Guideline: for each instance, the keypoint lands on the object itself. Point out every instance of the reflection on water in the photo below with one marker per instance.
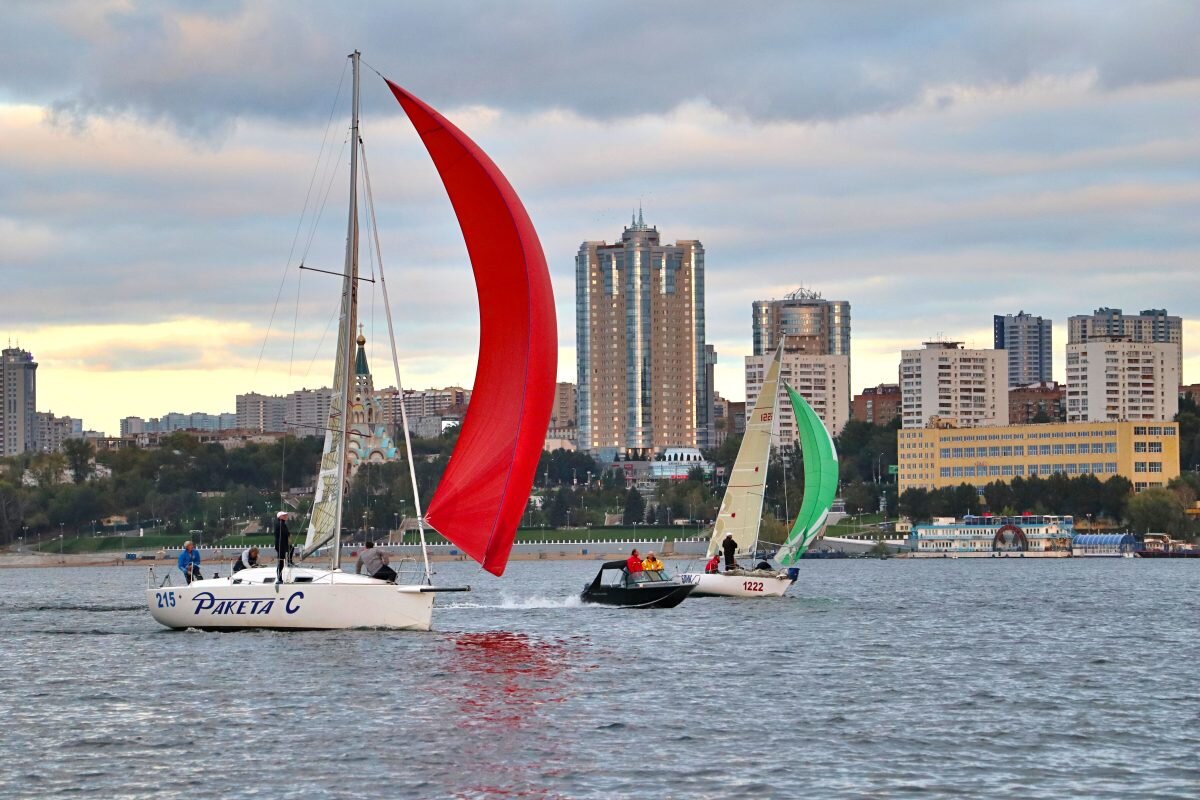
(509, 690)
(511, 676)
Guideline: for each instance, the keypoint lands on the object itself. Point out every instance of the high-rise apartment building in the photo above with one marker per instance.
(52, 431)
(811, 323)
(1028, 341)
(562, 414)
(822, 380)
(451, 401)
(1112, 378)
(175, 421)
(260, 412)
(1151, 325)
(306, 411)
(18, 401)
(944, 384)
(641, 360)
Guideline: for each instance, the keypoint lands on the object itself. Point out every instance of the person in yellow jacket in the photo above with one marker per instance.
(651, 563)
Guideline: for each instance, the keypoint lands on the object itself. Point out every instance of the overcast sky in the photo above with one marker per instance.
(932, 163)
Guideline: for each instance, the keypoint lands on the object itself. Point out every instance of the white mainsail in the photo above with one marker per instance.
(741, 507)
(325, 523)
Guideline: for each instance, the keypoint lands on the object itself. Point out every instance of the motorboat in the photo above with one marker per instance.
(614, 585)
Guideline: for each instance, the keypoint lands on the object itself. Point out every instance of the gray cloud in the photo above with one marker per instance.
(202, 65)
(931, 163)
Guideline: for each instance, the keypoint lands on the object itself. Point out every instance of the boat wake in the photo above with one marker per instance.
(509, 603)
(71, 607)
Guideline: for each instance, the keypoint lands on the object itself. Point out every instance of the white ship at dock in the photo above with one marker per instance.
(1025, 536)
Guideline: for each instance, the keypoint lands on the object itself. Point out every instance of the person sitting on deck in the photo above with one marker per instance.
(376, 564)
(713, 566)
(248, 558)
(651, 563)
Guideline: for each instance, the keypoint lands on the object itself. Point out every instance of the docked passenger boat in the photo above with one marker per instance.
(616, 586)
(485, 487)
(988, 536)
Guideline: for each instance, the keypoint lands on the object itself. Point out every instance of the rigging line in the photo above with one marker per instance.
(312, 233)
(291, 365)
(324, 333)
(300, 222)
(320, 156)
(387, 308)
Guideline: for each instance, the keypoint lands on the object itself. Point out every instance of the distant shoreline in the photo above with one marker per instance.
(43, 560)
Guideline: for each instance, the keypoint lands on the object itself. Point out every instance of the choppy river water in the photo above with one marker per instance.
(872, 679)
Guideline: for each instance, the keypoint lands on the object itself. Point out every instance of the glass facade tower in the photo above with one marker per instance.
(812, 324)
(640, 349)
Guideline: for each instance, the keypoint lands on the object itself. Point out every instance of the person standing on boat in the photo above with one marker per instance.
(248, 558)
(189, 562)
(283, 545)
(730, 548)
(375, 562)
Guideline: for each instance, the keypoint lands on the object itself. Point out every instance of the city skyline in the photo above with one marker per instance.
(932, 167)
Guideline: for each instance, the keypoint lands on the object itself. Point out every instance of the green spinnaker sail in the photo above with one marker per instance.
(820, 480)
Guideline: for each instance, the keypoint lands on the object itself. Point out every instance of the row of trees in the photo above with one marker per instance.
(205, 485)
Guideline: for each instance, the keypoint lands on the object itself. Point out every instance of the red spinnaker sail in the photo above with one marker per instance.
(485, 488)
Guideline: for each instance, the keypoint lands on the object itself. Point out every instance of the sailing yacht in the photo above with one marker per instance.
(485, 488)
(741, 507)
(740, 513)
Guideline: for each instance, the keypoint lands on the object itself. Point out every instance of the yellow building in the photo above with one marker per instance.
(1147, 453)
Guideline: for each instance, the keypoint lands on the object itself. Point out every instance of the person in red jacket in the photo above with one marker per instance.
(633, 563)
(713, 565)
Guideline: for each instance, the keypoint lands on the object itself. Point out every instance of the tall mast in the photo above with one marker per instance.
(351, 318)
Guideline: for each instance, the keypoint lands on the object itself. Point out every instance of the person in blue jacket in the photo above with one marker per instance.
(189, 562)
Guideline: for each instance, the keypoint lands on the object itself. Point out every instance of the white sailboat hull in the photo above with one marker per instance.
(747, 584)
(308, 599)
